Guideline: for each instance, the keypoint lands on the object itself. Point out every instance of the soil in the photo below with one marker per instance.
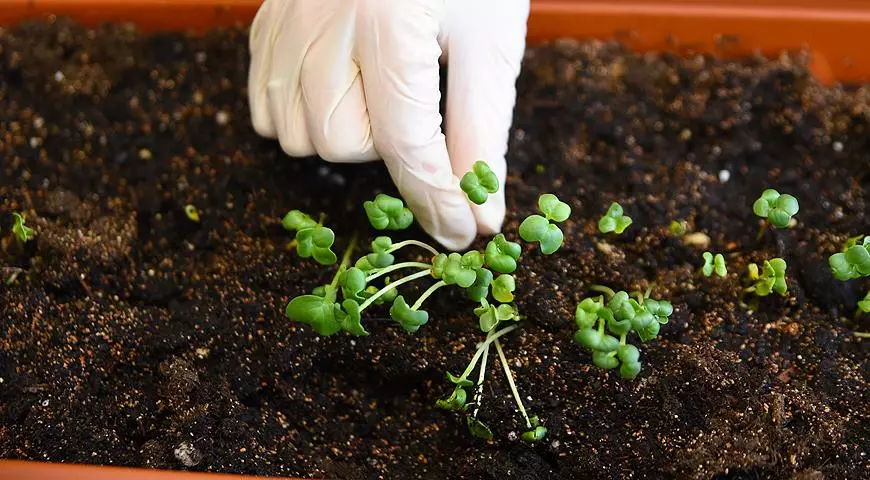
(138, 337)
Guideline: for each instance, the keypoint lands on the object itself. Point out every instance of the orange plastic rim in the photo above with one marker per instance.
(835, 32)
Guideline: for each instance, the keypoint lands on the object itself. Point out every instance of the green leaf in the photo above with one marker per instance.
(589, 338)
(864, 305)
(605, 360)
(787, 204)
(553, 209)
(552, 240)
(22, 232)
(622, 306)
(859, 257)
(628, 354)
(645, 325)
(316, 242)
(478, 428)
(388, 213)
(380, 260)
(296, 220)
(678, 228)
(410, 320)
(480, 288)
(660, 309)
(761, 208)
(487, 316)
(364, 265)
(614, 220)
(462, 382)
(503, 288)
(505, 312)
(324, 256)
(502, 255)
(350, 318)
(479, 183)
(618, 325)
(535, 435)
(719, 265)
(533, 228)
(318, 312)
(353, 284)
(462, 269)
(630, 370)
(777, 209)
(586, 313)
(455, 402)
(621, 224)
(439, 263)
(382, 244)
(842, 269)
(707, 269)
(606, 224)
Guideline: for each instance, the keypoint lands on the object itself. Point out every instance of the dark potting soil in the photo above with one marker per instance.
(138, 337)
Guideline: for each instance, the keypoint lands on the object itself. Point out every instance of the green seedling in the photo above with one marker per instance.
(503, 288)
(853, 262)
(537, 228)
(490, 315)
(614, 220)
(479, 183)
(864, 304)
(192, 213)
(388, 213)
(770, 279)
(605, 322)
(778, 209)
(714, 265)
(502, 255)
(312, 238)
(22, 232)
(678, 228)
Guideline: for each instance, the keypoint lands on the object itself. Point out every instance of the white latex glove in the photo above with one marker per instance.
(358, 80)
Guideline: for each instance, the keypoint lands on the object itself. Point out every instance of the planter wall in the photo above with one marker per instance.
(834, 32)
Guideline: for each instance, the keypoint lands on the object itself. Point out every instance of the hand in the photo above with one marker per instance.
(355, 80)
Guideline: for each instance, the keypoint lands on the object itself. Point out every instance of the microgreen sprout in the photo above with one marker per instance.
(678, 228)
(614, 220)
(778, 209)
(479, 182)
(191, 212)
(714, 264)
(22, 232)
(864, 305)
(537, 228)
(853, 262)
(604, 323)
(502, 255)
(770, 279)
(312, 238)
(388, 213)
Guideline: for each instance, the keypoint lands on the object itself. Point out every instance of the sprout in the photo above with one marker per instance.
(479, 429)
(777, 208)
(502, 255)
(714, 265)
(479, 183)
(771, 278)
(479, 290)
(864, 305)
(852, 263)
(456, 269)
(490, 315)
(614, 220)
(22, 232)
(409, 318)
(503, 288)
(678, 228)
(621, 315)
(312, 238)
(388, 213)
(537, 228)
(192, 213)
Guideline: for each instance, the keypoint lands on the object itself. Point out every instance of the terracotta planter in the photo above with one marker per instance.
(835, 33)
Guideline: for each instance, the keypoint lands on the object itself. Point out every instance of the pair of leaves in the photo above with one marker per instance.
(537, 228)
(380, 256)
(537, 432)
(490, 315)
(777, 208)
(325, 315)
(312, 239)
(626, 357)
(479, 183)
(771, 278)
(479, 290)
(22, 232)
(456, 402)
(714, 264)
(388, 213)
(853, 263)
(614, 220)
(456, 269)
(411, 320)
(501, 255)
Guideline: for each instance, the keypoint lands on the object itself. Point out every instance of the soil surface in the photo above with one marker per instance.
(138, 337)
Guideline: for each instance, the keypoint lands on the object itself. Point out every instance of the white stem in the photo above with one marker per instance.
(412, 242)
(480, 350)
(510, 379)
(479, 394)
(392, 268)
(383, 291)
(427, 293)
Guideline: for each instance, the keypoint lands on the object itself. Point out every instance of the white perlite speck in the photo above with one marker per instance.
(188, 455)
(724, 176)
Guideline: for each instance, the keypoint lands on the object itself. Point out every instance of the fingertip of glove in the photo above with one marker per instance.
(490, 215)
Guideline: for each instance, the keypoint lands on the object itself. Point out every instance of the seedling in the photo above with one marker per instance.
(388, 213)
(714, 264)
(778, 209)
(502, 255)
(479, 183)
(678, 228)
(771, 278)
(864, 305)
(22, 232)
(614, 220)
(192, 213)
(537, 228)
(853, 262)
(312, 238)
(617, 314)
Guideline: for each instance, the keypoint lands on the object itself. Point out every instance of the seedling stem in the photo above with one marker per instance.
(510, 379)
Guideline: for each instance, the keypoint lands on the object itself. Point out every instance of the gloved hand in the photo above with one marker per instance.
(358, 80)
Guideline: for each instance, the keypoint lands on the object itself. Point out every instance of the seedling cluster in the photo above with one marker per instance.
(714, 264)
(853, 262)
(614, 220)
